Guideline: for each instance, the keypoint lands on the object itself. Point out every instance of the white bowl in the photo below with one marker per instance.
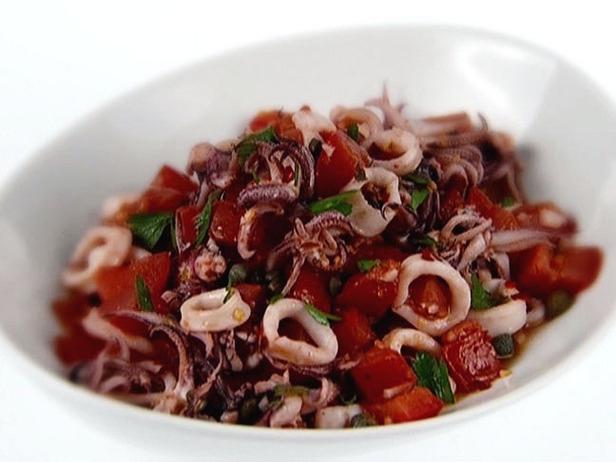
(563, 123)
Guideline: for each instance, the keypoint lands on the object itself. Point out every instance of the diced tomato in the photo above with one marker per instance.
(129, 325)
(312, 287)
(452, 200)
(501, 219)
(168, 177)
(225, 223)
(378, 370)
(267, 231)
(545, 215)
(374, 251)
(335, 171)
(186, 219)
(353, 332)
(280, 121)
(77, 346)
(155, 200)
(429, 296)
(541, 270)
(70, 310)
(498, 190)
(470, 356)
(579, 268)
(116, 285)
(416, 404)
(256, 297)
(369, 293)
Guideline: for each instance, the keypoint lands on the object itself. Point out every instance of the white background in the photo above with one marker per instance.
(59, 60)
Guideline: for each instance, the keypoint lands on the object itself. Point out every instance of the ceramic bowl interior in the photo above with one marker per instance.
(563, 124)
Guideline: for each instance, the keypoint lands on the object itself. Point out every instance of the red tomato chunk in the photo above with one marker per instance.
(368, 293)
(379, 370)
(353, 332)
(335, 171)
(311, 287)
(416, 404)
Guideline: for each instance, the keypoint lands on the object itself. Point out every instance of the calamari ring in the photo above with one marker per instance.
(209, 312)
(506, 318)
(413, 338)
(400, 142)
(416, 266)
(100, 246)
(296, 351)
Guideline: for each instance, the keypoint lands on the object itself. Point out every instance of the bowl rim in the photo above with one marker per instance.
(62, 386)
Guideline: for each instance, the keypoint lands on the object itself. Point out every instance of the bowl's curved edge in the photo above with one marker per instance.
(62, 386)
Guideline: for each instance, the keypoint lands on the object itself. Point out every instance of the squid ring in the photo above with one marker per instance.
(413, 338)
(100, 246)
(414, 267)
(402, 143)
(297, 351)
(506, 318)
(210, 312)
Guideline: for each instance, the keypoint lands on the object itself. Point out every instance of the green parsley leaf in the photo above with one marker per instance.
(228, 295)
(504, 345)
(353, 132)
(205, 217)
(339, 202)
(424, 241)
(432, 374)
(248, 145)
(320, 316)
(508, 201)
(363, 420)
(417, 178)
(366, 265)
(282, 391)
(418, 196)
(149, 227)
(144, 298)
(481, 299)
(237, 273)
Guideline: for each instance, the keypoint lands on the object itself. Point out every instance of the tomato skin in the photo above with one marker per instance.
(186, 218)
(429, 291)
(374, 251)
(416, 404)
(378, 370)
(116, 285)
(335, 171)
(353, 332)
(155, 200)
(312, 287)
(501, 219)
(280, 121)
(76, 347)
(70, 310)
(370, 295)
(255, 296)
(541, 270)
(225, 222)
(168, 177)
(470, 356)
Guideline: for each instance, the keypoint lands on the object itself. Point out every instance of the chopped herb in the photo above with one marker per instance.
(425, 241)
(366, 265)
(320, 316)
(228, 295)
(353, 132)
(149, 227)
(504, 345)
(347, 400)
(508, 201)
(205, 217)
(282, 391)
(417, 178)
(557, 303)
(335, 286)
(481, 299)
(237, 273)
(248, 145)
(315, 146)
(418, 197)
(144, 298)
(363, 420)
(432, 374)
(275, 298)
(339, 202)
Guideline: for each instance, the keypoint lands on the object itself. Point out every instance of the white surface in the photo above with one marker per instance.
(59, 63)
